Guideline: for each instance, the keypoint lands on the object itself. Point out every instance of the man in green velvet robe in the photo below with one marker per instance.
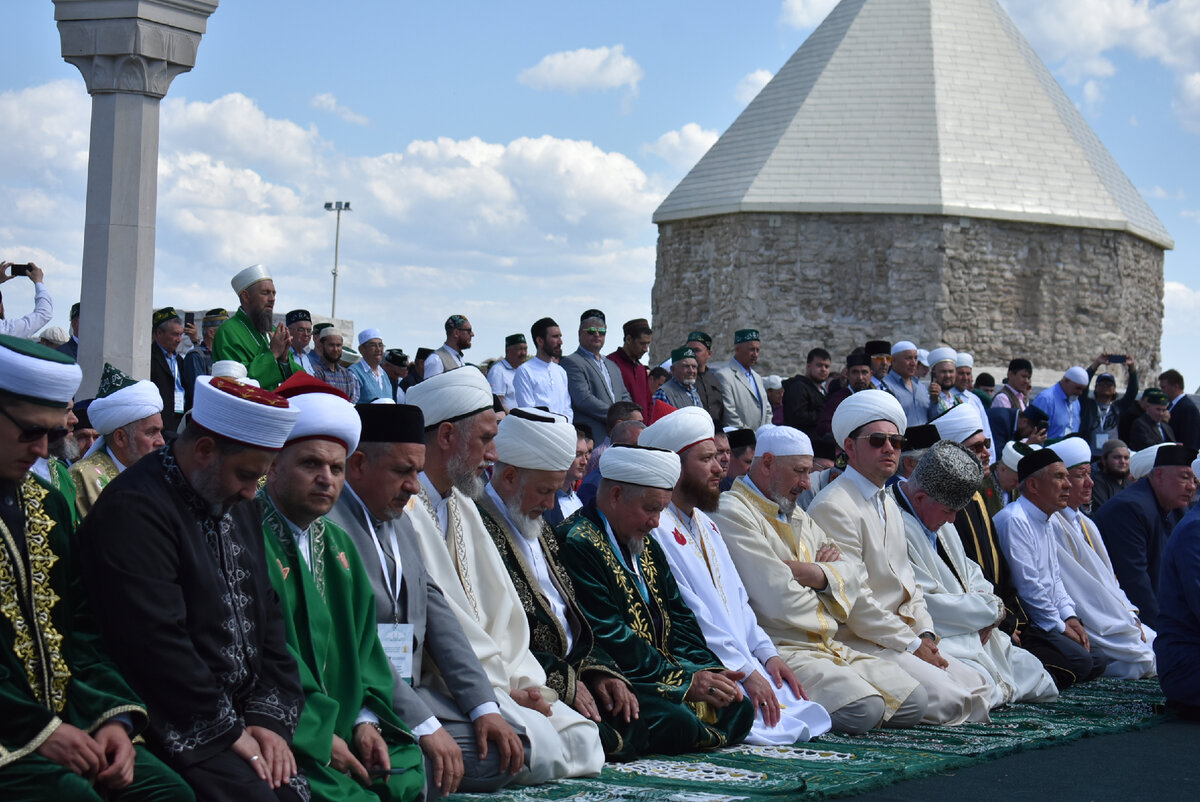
(66, 715)
(687, 699)
(251, 338)
(349, 742)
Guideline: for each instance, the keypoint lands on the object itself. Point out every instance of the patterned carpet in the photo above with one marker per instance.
(837, 765)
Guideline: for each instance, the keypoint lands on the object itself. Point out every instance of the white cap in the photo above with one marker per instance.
(638, 465)
(772, 382)
(230, 369)
(369, 334)
(247, 415)
(679, 430)
(964, 360)
(959, 423)
(943, 354)
(1077, 375)
(139, 400)
(782, 441)
(536, 440)
(251, 275)
(905, 345)
(923, 356)
(1073, 451)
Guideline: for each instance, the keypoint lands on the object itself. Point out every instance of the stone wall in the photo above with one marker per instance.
(997, 289)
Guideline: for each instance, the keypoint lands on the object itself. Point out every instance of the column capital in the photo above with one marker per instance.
(131, 46)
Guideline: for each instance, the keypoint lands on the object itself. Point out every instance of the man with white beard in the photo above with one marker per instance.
(460, 428)
(680, 390)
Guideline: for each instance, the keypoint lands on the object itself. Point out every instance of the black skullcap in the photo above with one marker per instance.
(1173, 454)
(396, 356)
(1031, 464)
(593, 313)
(514, 339)
(81, 412)
(875, 347)
(1155, 396)
(163, 315)
(700, 337)
(824, 449)
(1035, 414)
(920, 437)
(297, 315)
(391, 423)
(740, 438)
(858, 358)
(423, 354)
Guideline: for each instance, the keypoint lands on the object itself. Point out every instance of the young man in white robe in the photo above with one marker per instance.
(711, 587)
(1110, 619)
(462, 559)
(960, 601)
(864, 522)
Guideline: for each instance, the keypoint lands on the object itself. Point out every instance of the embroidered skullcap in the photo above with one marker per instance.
(535, 440)
(396, 356)
(949, 473)
(782, 441)
(964, 360)
(958, 423)
(215, 317)
(680, 354)
(161, 316)
(919, 438)
(902, 346)
(514, 339)
(745, 336)
(230, 369)
(866, 407)
(678, 431)
(121, 401)
(32, 372)
(325, 412)
(1074, 451)
(942, 355)
(398, 423)
(297, 316)
(241, 413)
(923, 357)
(1077, 375)
(1156, 396)
(1014, 450)
(1036, 461)
(366, 335)
(251, 275)
(638, 465)
(451, 396)
(700, 337)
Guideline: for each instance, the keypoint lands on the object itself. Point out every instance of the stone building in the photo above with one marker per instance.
(913, 172)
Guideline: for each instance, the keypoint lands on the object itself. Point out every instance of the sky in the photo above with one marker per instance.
(503, 160)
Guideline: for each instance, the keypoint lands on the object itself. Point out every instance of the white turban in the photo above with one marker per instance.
(251, 275)
(451, 396)
(964, 360)
(325, 412)
(923, 356)
(1011, 457)
(242, 413)
(1140, 463)
(369, 334)
(942, 355)
(230, 369)
(904, 345)
(782, 441)
(38, 374)
(1073, 451)
(867, 406)
(1077, 375)
(129, 404)
(679, 430)
(958, 423)
(636, 465)
(535, 440)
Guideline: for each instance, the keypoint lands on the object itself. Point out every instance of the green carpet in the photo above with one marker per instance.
(836, 765)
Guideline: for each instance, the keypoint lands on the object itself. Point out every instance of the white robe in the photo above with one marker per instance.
(468, 569)
(959, 612)
(1108, 616)
(711, 588)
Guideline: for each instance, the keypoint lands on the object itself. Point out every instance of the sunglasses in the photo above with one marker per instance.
(979, 448)
(877, 439)
(31, 434)
(594, 330)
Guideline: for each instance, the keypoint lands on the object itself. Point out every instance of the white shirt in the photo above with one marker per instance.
(26, 327)
(501, 378)
(1028, 540)
(433, 362)
(543, 384)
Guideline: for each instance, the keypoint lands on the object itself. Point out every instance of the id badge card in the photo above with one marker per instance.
(397, 640)
(179, 400)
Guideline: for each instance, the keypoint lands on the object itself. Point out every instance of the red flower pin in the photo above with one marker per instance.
(679, 538)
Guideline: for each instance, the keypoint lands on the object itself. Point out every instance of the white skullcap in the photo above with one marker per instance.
(383, 400)
(325, 412)
(247, 415)
(904, 345)
(451, 396)
(923, 356)
(330, 331)
(964, 360)
(958, 423)
(32, 372)
(772, 382)
(679, 430)
(129, 404)
(1077, 375)
(637, 465)
(536, 440)
(782, 441)
(1011, 457)
(230, 369)
(369, 334)
(1196, 466)
(1140, 462)
(728, 429)
(251, 275)
(867, 406)
(942, 355)
(1072, 451)
(349, 357)
(55, 334)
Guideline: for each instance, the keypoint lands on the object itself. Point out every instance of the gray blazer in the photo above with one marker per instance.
(742, 407)
(677, 395)
(590, 397)
(435, 628)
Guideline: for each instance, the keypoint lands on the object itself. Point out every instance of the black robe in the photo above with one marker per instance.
(974, 526)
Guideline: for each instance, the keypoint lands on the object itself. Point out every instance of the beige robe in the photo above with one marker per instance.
(91, 475)
(803, 622)
(468, 569)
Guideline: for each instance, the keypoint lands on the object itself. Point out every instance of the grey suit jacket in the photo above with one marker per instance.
(590, 398)
(742, 406)
(436, 630)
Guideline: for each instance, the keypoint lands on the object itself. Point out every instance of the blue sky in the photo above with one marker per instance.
(503, 160)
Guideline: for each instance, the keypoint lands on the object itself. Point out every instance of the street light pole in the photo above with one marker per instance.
(339, 207)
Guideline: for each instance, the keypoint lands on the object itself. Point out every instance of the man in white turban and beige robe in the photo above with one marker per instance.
(460, 428)
(890, 619)
(801, 590)
(712, 589)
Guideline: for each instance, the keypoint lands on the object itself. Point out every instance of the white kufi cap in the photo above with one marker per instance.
(325, 412)
(1073, 451)
(251, 275)
(904, 345)
(1077, 375)
(964, 360)
(942, 355)
(958, 423)
(782, 441)
(369, 334)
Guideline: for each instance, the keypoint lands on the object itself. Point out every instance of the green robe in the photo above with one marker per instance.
(329, 618)
(654, 639)
(52, 663)
(237, 339)
(60, 480)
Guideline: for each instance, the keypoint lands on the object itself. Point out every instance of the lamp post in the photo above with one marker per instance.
(339, 207)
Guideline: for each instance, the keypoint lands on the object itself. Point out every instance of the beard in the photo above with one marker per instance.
(66, 449)
(464, 476)
(787, 504)
(263, 320)
(637, 546)
(207, 484)
(705, 497)
(529, 528)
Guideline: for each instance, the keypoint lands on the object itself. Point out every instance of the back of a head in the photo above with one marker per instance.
(620, 411)
(626, 432)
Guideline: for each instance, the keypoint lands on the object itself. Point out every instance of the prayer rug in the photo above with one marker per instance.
(837, 765)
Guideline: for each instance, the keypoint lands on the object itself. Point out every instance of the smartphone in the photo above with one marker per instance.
(189, 318)
(20, 270)
(1116, 359)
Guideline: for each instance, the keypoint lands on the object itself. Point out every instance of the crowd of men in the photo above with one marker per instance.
(266, 574)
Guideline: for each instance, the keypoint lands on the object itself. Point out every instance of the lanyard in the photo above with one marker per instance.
(393, 590)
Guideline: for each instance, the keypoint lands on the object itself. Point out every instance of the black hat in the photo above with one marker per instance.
(81, 412)
(700, 337)
(920, 437)
(740, 438)
(1035, 414)
(514, 339)
(858, 358)
(1155, 396)
(297, 315)
(391, 423)
(396, 356)
(824, 449)
(1031, 464)
(875, 347)
(1173, 454)
(423, 354)
(163, 315)
(593, 313)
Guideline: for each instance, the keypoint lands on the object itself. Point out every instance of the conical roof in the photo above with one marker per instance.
(916, 107)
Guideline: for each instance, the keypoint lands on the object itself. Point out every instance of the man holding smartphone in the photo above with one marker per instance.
(43, 307)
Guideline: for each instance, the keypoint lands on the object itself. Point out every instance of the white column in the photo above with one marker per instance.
(128, 52)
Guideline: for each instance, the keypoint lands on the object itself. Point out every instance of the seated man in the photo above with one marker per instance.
(462, 559)
(711, 588)
(533, 448)
(349, 742)
(68, 715)
(1027, 538)
(1109, 619)
(960, 601)
(863, 521)
(1177, 646)
(127, 416)
(686, 699)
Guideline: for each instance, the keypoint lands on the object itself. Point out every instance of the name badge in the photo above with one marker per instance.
(397, 640)
(179, 401)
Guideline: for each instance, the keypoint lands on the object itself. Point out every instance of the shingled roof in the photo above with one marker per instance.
(916, 107)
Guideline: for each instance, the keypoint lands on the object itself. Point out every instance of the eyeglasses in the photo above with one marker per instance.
(981, 447)
(595, 330)
(877, 439)
(31, 434)
(465, 330)
(881, 358)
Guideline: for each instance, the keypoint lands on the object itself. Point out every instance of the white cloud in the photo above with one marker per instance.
(326, 101)
(805, 14)
(683, 148)
(1158, 193)
(584, 69)
(751, 85)
(1193, 214)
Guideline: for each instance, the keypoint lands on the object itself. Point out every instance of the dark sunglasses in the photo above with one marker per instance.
(31, 434)
(595, 330)
(877, 439)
